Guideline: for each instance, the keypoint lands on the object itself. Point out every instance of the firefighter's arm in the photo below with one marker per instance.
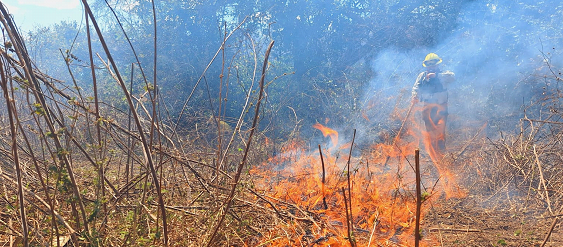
(415, 88)
(447, 77)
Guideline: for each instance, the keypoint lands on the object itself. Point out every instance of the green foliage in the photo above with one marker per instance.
(73, 101)
(148, 87)
(38, 109)
(502, 242)
(50, 134)
(457, 241)
(425, 195)
(63, 181)
(95, 211)
(59, 132)
(61, 152)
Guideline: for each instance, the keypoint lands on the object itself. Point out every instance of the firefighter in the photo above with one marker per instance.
(431, 91)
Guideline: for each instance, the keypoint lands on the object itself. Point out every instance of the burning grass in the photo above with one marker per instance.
(381, 200)
(382, 206)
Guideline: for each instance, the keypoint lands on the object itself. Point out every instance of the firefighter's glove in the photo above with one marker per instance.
(414, 100)
(430, 75)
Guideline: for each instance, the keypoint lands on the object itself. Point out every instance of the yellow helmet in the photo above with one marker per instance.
(431, 59)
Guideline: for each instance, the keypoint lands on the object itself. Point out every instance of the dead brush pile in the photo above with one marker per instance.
(526, 161)
(78, 172)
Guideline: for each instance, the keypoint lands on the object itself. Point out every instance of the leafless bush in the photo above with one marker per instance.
(527, 163)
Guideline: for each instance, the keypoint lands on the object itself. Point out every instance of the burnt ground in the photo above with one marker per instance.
(484, 221)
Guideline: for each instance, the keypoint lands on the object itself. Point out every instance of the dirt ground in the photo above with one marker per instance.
(476, 221)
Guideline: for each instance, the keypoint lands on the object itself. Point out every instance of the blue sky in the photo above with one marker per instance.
(34, 13)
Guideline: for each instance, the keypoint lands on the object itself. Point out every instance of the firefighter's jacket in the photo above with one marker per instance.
(433, 90)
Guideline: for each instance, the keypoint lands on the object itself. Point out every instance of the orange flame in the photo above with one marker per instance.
(381, 186)
(434, 138)
(382, 210)
(328, 132)
(434, 141)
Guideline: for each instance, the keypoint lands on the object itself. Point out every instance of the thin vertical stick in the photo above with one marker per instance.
(347, 215)
(349, 230)
(127, 166)
(99, 157)
(323, 179)
(11, 112)
(236, 179)
(418, 197)
(219, 111)
(349, 183)
(154, 98)
(543, 181)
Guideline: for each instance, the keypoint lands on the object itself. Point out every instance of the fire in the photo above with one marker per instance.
(381, 195)
(328, 132)
(434, 142)
(434, 116)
